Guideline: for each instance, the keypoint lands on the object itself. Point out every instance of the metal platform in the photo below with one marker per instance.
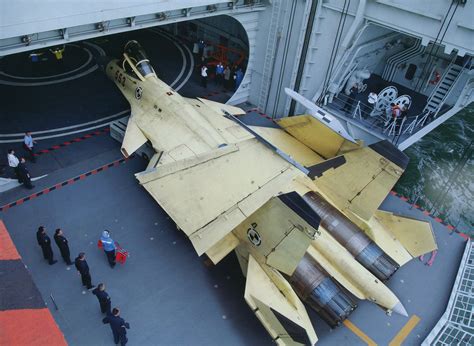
(456, 326)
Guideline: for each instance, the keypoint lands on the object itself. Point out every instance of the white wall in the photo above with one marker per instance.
(21, 17)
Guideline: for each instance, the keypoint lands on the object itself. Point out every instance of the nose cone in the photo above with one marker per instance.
(400, 309)
(103, 61)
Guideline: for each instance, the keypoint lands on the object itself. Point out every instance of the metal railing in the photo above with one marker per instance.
(361, 111)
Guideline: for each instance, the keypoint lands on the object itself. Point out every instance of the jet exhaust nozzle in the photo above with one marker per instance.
(349, 235)
(316, 288)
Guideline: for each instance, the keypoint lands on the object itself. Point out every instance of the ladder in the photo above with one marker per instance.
(442, 89)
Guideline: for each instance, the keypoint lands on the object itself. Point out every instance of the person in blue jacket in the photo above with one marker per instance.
(109, 247)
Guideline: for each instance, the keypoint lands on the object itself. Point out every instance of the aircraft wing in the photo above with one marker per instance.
(211, 194)
(358, 181)
(245, 196)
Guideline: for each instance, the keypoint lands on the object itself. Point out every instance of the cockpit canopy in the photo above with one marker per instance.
(135, 56)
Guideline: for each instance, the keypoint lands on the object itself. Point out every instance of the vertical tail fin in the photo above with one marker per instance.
(287, 324)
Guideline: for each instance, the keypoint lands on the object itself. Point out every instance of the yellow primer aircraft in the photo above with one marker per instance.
(298, 203)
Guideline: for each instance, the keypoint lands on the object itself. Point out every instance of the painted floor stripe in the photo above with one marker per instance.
(405, 331)
(64, 183)
(21, 134)
(352, 327)
(75, 140)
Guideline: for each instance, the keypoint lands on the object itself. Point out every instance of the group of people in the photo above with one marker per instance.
(229, 78)
(118, 325)
(224, 76)
(19, 164)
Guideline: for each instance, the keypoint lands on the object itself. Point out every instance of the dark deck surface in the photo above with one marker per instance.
(167, 293)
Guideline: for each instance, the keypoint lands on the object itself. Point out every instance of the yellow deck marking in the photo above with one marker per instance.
(403, 333)
(351, 326)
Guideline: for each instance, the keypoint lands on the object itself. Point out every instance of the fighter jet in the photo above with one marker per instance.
(297, 202)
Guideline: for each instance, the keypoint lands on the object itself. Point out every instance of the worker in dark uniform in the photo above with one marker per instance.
(350, 98)
(103, 297)
(45, 243)
(63, 246)
(118, 325)
(23, 174)
(83, 269)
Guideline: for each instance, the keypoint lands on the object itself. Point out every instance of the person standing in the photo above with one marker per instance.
(45, 243)
(13, 163)
(23, 174)
(58, 53)
(109, 247)
(350, 98)
(63, 246)
(220, 73)
(395, 111)
(118, 325)
(239, 75)
(204, 76)
(227, 77)
(103, 297)
(83, 269)
(28, 143)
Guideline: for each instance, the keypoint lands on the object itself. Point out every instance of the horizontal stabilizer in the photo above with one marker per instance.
(286, 323)
(360, 180)
(133, 139)
(312, 133)
(329, 121)
(416, 236)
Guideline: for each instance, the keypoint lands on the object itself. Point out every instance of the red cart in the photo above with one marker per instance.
(120, 253)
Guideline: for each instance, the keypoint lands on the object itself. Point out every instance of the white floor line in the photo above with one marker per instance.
(98, 48)
(182, 55)
(8, 184)
(191, 69)
(86, 72)
(60, 134)
(184, 60)
(21, 134)
(89, 58)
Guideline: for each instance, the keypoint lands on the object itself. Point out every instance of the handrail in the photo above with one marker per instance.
(451, 63)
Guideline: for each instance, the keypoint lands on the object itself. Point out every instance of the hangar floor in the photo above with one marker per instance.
(165, 291)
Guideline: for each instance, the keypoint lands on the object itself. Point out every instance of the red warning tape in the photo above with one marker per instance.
(75, 140)
(64, 183)
(427, 213)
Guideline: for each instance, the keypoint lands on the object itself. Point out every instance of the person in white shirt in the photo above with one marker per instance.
(28, 143)
(13, 162)
(204, 76)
